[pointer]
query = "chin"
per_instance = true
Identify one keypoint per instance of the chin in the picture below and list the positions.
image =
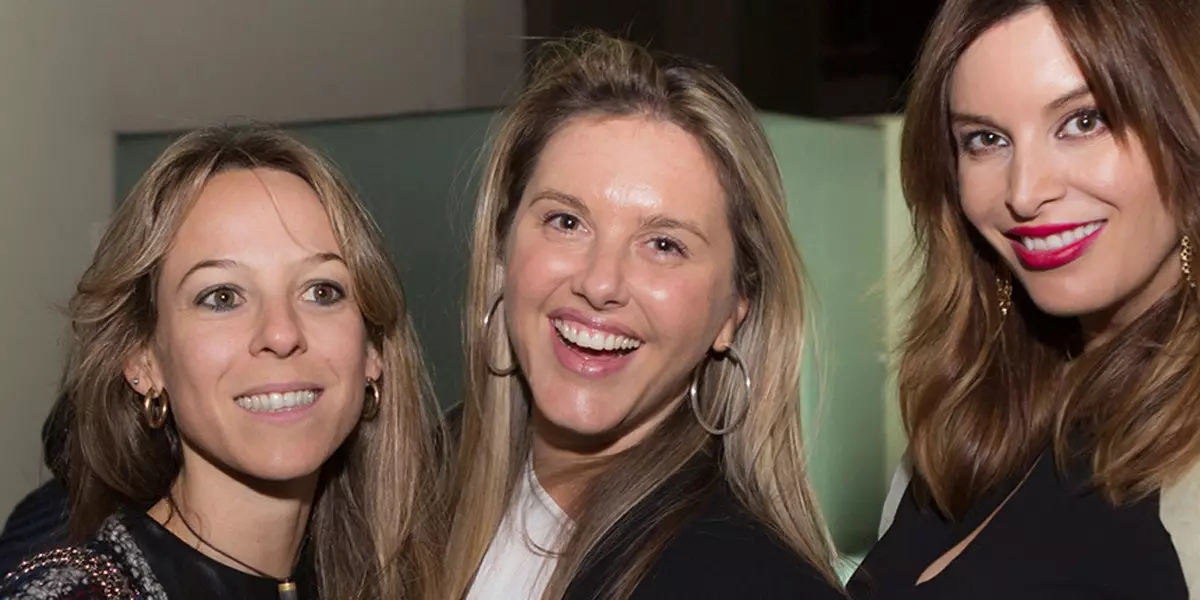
(283, 466)
(582, 420)
(1065, 303)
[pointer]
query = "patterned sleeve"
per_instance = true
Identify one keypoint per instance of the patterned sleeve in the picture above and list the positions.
(67, 574)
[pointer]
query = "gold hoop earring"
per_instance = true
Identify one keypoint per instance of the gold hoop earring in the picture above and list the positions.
(372, 402)
(694, 394)
(155, 407)
(1004, 293)
(487, 322)
(1185, 260)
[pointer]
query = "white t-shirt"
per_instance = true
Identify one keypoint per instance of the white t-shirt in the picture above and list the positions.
(522, 555)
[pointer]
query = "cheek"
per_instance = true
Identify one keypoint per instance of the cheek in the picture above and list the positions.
(981, 193)
(193, 360)
(681, 306)
(533, 270)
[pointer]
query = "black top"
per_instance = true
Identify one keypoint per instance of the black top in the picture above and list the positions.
(1056, 538)
(133, 556)
(187, 573)
(719, 552)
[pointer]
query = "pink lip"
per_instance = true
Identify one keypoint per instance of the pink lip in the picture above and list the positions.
(597, 323)
(1044, 260)
(587, 365)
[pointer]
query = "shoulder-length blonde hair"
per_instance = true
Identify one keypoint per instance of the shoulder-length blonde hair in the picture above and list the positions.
(371, 531)
(981, 394)
(763, 460)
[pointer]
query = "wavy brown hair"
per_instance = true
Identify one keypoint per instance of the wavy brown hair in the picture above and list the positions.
(371, 530)
(982, 394)
(666, 474)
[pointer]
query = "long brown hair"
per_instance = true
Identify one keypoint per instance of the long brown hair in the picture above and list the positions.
(982, 394)
(372, 535)
(763, 460)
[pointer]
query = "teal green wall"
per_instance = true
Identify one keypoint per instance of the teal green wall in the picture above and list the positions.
(415, 174)
(833, 174)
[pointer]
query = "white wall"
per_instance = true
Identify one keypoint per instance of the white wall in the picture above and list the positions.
(75, 73)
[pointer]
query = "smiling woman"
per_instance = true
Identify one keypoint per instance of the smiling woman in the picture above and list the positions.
(250, 414)
(1048, 381)
(632, 425)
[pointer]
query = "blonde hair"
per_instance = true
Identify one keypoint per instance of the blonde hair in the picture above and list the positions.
(981, 393)
(372, 532)
(763, 460)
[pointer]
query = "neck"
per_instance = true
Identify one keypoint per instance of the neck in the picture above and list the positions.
(261, 524)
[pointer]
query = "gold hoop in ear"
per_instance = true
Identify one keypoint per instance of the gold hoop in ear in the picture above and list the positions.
(1185, 260)
(372, 402)
(155, 407)
(487, 321)
(731, 354)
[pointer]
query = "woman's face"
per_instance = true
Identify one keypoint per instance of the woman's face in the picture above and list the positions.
(619, 278)
(1076, 214)
(259, 345)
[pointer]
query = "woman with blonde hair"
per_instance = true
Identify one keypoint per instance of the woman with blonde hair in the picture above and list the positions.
(1048, 380)
(631, 427)
(250, 414)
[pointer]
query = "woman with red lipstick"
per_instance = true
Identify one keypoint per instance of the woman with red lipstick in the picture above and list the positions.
(1048, 381)
(632, 425)
(248, 405)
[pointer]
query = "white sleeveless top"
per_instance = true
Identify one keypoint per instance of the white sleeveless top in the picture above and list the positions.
(524, 551)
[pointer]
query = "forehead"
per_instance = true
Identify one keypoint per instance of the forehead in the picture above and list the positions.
(1018, 65)
(631, 160)
(243, 212)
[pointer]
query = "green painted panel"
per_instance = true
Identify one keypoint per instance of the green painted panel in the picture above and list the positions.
(833, 174)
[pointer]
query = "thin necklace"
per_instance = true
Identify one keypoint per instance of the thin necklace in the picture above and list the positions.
(287, 588)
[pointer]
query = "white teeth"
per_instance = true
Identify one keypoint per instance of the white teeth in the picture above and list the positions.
(1059, 240)
(594, 340)
(276, 401)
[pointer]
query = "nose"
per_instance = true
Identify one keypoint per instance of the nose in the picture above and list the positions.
(1034, 179)
(601, 281)
(278, 330)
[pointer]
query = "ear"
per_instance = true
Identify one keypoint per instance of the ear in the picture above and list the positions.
(730, 326)
(142, 372)
(374, 362)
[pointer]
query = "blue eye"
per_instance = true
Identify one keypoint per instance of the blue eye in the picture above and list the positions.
(220, 299)
(1084, 123)
(324, 293)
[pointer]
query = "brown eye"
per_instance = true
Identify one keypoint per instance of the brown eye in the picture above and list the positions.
(1083, 124)
(325, 294)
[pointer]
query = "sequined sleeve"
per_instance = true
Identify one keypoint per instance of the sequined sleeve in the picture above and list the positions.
(73, 573)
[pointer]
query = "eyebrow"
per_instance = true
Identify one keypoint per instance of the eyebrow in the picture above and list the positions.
(665, 222)
(559, 196)
(1075, 94)
(1083, 90)
(227, 264)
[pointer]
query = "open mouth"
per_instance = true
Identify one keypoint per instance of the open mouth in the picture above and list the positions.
(1056, 241)
(592, 342)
